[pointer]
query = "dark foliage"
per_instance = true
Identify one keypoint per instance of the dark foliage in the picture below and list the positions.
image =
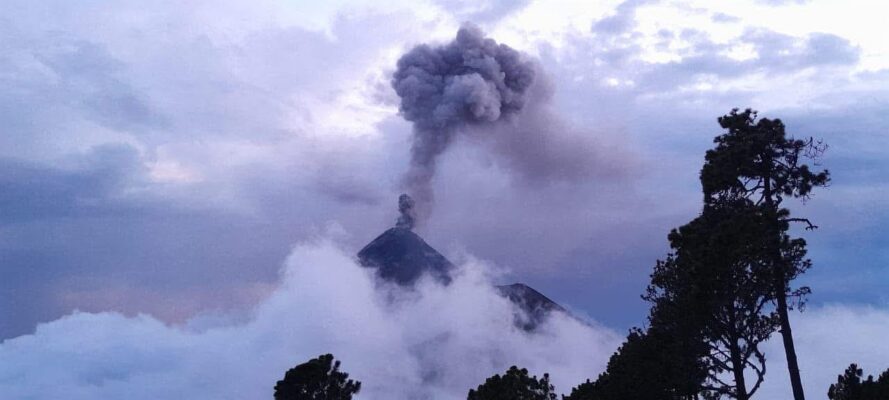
(651, 365)
(316, 379)
(755, 157)
(850, 386)
(719, 281)
(710, 297)
(756, 161)
(515, 384)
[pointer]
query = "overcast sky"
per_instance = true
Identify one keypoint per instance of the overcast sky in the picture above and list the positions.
(165, 157)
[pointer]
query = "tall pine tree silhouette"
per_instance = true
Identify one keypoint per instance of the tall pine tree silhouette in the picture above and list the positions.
(756, 160)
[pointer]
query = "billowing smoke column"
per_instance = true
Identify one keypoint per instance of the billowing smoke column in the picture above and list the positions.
(469, 81)
(406, 208)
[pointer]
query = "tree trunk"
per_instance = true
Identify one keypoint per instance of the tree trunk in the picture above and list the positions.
(781, 297)
(789, 349)
(738, 370)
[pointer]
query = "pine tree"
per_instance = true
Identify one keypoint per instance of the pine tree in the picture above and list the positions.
(850, 386)
(317, 379)
(718, 279)
(755, 160)
(652, 365)
(515, 384)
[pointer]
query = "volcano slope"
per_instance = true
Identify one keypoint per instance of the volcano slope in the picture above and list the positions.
(401, 256)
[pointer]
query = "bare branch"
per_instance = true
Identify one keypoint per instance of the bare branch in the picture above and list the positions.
(809, 225)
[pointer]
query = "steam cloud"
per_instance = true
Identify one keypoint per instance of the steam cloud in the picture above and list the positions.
(470, 81)
(434, 342)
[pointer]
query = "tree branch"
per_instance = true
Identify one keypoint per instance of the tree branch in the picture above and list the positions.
(809, 225)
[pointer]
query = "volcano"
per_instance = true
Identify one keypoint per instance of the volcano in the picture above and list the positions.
(401, 256)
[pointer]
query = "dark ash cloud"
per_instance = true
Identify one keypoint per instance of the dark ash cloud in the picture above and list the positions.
(472, 80)
(497, 96)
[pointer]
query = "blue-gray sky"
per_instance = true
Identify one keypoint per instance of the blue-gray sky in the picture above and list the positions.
(174, 152)
(164, 158)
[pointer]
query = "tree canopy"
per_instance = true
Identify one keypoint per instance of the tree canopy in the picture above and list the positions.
(711, 296)
(317, 379)
(515, 384)
(756, 159)
(717, 279)
(653, 365)
(850, 386)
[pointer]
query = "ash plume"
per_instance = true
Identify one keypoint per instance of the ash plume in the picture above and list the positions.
(470, 81)
(406, 208)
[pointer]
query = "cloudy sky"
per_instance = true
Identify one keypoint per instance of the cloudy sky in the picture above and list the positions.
(164, 159)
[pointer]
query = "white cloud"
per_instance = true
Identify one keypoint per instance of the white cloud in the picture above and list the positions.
(435, 342)
(860, 21)
(827, 340)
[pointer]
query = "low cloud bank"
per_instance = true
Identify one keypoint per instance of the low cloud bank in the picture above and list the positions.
(827, 340)
(432, 343)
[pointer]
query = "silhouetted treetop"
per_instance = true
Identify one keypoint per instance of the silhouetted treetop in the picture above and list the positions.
(515, 384)
(755, 161)
(316, 379)
(850, 386)
(755, 156)
(663, 363)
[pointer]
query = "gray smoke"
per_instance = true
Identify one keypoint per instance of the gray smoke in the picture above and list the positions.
(470, 81)
(406, 208)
